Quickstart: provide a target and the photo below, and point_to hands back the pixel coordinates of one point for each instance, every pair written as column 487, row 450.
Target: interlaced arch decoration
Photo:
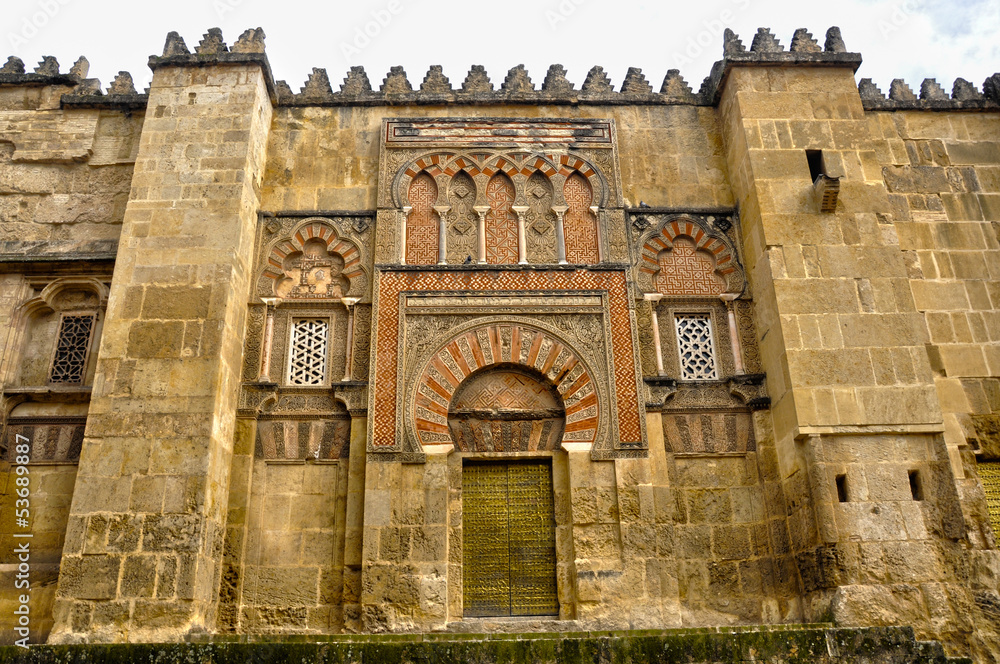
column 422, row 224
column 490, row 162
column 501, row 222
column 499, row 344
column 315, row 261
column 681, row 256
column 580, row 223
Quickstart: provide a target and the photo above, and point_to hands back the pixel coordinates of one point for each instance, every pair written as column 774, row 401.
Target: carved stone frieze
column 748, row 337
column 252, row 345
column 362, row 340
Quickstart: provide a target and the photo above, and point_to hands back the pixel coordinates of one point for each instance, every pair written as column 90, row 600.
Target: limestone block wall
column 290, row 580
column 50, row 490
column 143, row 559
column 65, row 174
column 327, row 158
column 843, row 345
column 404, row 580
column 942, row 172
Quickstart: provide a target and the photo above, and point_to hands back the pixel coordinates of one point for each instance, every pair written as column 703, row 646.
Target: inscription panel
column 406, row 133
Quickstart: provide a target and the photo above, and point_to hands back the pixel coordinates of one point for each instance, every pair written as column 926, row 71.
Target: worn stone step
column 781, row 644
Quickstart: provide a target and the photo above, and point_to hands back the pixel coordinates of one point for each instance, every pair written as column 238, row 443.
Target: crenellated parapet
column 766, row 51
column 477, row 88
column 931, row 97
column 356, row 89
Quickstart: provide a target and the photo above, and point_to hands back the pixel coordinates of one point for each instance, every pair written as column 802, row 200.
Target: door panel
column 485, row 541
column 508, row 539
column 532, row 541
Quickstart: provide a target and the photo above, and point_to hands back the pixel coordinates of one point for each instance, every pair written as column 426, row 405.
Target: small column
column 600, row 234
column 442, row 210
column 522, row 246
column 654, row 299
column 265, row 345
column 481, row 210
column 349, row 302
column 404, row 213
column 733, row 331
column 560, row 210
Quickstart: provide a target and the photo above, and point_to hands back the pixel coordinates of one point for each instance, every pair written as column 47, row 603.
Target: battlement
column 516, row 88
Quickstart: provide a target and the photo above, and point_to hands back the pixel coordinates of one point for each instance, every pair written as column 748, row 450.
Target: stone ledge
column 781, row 644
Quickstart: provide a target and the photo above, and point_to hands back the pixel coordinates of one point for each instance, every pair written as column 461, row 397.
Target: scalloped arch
column 334, row 241
column 662, row 237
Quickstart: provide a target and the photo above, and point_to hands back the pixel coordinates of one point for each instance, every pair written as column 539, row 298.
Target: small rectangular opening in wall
column 842, row 488
column 916, row 485
column 816, row 165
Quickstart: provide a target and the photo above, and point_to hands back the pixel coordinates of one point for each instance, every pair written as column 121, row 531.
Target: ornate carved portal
column 506, row 410
column 508, row 540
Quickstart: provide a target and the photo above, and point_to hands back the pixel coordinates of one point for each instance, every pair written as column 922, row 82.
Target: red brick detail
column 422, row 224
column 488, row 342
column 687, row 270
column 579, row 223
column 501, row 222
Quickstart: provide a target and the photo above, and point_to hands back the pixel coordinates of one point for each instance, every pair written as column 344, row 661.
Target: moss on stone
column 814, row 644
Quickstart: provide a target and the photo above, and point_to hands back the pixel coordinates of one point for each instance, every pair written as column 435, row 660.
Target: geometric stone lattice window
column 694, row 341
column 308, row 361
column 71, row 350
column 989, row 473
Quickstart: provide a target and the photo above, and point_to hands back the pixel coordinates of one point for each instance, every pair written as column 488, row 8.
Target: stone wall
column 150, row 501
column 327, row 158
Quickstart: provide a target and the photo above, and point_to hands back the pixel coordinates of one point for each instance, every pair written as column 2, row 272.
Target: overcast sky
column 910, row 39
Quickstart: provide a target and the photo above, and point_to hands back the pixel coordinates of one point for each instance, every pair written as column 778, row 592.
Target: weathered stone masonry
column 415, row 359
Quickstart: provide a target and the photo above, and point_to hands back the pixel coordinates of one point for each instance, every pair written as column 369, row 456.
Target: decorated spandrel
column 989, row 473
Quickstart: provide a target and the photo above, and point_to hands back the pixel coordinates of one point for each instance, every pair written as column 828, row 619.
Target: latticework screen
column 989, row 473
column 70, row 360
column 307, row 365
column 694, row 341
